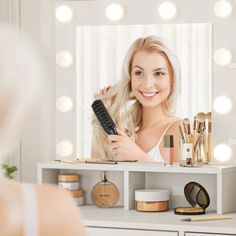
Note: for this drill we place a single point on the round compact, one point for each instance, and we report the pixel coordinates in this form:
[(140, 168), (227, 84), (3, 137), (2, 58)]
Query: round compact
[(198, 198), (152, 200)]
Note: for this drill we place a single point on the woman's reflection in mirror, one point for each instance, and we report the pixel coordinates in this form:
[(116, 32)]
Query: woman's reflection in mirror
[(142, 105)]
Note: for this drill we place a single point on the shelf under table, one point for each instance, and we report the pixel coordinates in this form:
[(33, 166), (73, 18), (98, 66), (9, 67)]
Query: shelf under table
[(218, 180)]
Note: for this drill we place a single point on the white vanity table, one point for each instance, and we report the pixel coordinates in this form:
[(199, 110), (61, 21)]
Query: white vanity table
[(117, 221), (219, 181)]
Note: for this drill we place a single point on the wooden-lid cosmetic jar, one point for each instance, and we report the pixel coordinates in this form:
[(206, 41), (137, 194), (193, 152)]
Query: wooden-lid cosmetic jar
[(71, 182), (68, 178), (152, 200)]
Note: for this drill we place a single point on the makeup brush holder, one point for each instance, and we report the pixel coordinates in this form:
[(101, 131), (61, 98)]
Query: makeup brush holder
[(196, 141), (186, 154), (199, 154)]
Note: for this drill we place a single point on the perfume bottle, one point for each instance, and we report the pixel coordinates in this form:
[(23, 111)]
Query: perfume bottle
[(186, 158), (105, 194)]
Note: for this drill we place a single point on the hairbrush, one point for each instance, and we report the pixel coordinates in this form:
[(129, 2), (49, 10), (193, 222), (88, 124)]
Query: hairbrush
[(104, 117)]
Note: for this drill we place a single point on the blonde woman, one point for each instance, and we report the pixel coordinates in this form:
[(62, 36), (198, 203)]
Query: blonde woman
[(27, 209), (142, 105)]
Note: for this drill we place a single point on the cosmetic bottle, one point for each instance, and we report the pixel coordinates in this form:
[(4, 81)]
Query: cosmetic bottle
[(169, 149), (186, 157), (105, 194)]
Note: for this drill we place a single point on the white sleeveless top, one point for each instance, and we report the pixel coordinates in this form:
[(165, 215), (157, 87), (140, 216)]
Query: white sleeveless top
[(155, 153), (29, 210)]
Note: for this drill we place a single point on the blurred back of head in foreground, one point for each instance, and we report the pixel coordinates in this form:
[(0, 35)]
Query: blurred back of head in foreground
[(20, 81)]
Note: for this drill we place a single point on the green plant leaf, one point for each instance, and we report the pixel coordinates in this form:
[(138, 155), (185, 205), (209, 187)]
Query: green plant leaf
[(9, 170)]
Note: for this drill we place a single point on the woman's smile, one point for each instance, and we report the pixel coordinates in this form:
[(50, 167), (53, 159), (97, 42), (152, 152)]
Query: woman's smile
[(149, 95)]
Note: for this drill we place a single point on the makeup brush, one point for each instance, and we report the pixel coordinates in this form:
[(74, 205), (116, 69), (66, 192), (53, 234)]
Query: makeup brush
[(197, 150), (181, 134), (187, 129), (193, 137), (198, 140), (197, 137), (217, 217), (200, 117), (205, 141), (194, 129), (209, 138)]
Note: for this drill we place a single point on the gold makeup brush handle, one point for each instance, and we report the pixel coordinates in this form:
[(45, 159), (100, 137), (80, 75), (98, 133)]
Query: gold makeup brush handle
[(209, 155), (196, 147), (205, 145)]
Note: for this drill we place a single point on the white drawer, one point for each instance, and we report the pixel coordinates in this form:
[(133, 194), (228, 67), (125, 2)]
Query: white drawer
[(202, 234), (126, 232)]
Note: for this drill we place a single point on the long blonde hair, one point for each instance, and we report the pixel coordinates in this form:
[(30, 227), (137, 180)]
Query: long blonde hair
[(125, 110)]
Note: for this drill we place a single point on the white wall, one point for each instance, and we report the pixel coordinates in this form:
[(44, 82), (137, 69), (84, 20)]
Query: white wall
[(36, 17), (145, 12)]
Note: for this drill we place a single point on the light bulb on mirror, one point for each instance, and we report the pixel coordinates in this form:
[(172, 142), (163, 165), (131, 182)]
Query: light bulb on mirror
[(222, 56), (64, 13), (222, 8), (64, 149), (222, 104), (222, 152), (64, 104), (167, 10), (64, 59), (114, 12)]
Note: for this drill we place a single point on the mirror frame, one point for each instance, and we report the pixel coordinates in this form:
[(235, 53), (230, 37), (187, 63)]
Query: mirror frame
[(93, 13)]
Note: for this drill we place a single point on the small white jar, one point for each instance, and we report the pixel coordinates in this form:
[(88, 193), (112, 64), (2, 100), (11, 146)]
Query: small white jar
[(152, 200)]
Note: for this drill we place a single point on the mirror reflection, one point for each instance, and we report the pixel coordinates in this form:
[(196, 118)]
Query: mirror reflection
[(133, 79)]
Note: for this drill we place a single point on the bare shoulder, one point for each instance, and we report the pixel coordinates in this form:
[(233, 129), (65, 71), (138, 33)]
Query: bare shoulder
[(52, 190), (10, 205), (174, 125), (58, 213), (55, 197)]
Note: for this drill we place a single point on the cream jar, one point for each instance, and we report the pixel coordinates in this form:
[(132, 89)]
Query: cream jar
[(152, 200), (71, 182), (68, 178), (78, 196), (69, 185)]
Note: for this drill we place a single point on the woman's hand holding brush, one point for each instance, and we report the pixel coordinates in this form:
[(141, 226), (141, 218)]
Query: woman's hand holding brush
[(124, 148)]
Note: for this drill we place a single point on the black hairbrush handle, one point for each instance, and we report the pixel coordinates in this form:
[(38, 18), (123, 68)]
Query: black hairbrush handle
[(104, 117)]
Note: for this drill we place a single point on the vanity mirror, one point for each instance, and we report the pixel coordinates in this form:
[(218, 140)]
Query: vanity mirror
[(100, 51), (90, 49)]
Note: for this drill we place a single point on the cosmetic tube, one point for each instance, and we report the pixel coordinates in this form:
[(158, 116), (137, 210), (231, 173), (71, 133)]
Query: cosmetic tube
[(169, 149)]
